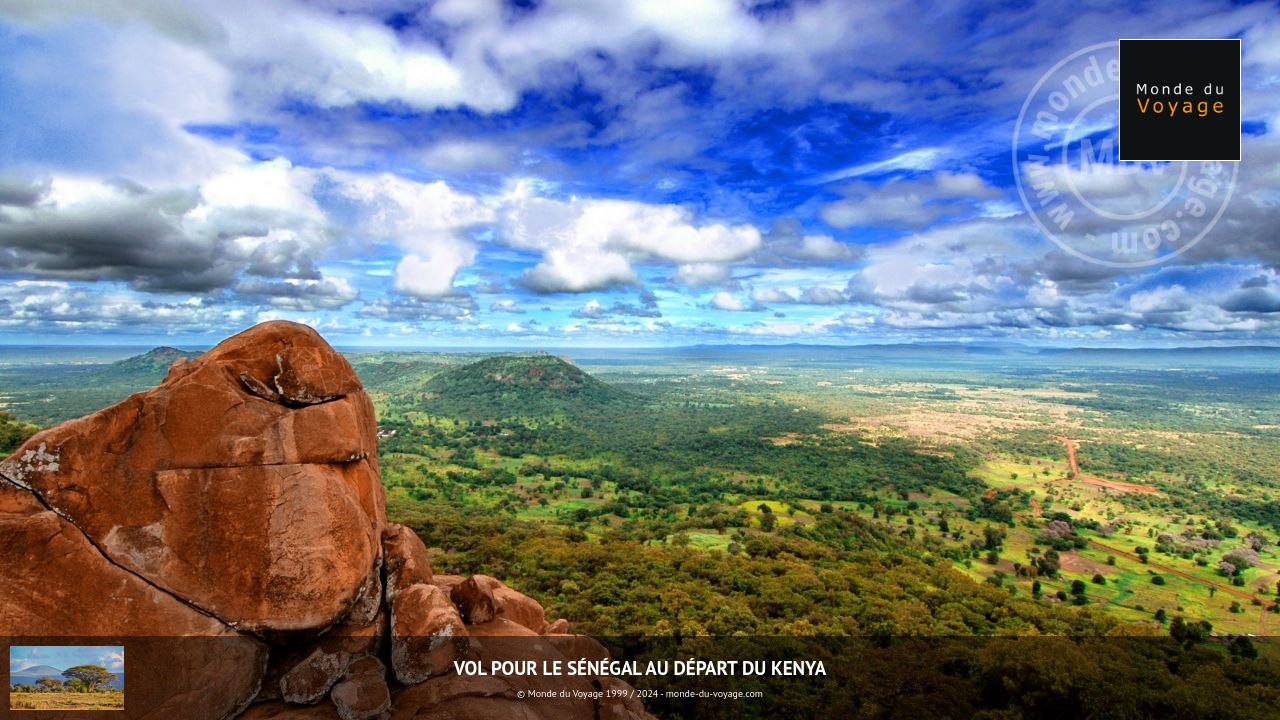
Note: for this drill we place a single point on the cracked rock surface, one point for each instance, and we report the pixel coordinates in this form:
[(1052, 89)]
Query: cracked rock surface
[(229, 528)]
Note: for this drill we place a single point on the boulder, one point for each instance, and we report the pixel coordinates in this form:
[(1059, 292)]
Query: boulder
[(407, 560), (427, 633), (447, 582), (245, 484), (54, 584), (363, 692), (309, 679), (481, 598)]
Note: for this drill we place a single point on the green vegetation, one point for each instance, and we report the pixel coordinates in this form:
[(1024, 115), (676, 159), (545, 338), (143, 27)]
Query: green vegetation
[(837, 492), (13, 432), (518, 386)]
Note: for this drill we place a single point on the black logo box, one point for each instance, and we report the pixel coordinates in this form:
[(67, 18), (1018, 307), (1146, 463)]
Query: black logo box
[(1180, 64)]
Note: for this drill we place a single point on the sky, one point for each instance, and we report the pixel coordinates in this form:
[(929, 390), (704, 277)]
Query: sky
[(62, 657), (590, 173)]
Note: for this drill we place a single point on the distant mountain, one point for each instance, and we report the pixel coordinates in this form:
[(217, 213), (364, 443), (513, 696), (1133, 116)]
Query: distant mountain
[(156, 358), (512, 385), (33, 673), (143, 370)]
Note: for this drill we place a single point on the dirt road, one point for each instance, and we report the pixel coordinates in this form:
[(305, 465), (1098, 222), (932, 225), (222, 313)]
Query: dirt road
[(1097, 481)]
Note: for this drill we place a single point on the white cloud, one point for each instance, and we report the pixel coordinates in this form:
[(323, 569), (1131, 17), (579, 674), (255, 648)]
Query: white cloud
[(589, 244), (42, 306), (431, 275), (505, 305), (112, 661), (564, 270), (918, 159), (696, 275), (771, 296), (427, 219), (727, 301)]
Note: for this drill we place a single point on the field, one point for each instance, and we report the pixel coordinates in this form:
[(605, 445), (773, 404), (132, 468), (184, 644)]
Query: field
[(111, 700)]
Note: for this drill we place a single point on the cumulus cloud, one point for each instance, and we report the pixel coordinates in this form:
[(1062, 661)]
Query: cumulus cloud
[(430, 220), (812, 295), (54, 306), (697, 275), (253, 218), (589, 244), (113, 661), (787, 245), (724, 300)]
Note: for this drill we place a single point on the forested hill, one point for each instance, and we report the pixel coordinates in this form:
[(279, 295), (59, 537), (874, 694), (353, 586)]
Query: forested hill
[(520, 385), (143, 370)]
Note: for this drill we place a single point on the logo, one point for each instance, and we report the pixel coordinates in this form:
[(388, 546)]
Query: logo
[(1180, 100), (1082, 196)]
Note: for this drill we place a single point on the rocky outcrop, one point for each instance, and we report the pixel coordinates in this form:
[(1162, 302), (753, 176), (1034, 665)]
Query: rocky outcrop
[(263, 509), (228, 526)]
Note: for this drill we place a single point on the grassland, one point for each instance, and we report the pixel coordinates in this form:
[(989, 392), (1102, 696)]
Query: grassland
[(109, 700)]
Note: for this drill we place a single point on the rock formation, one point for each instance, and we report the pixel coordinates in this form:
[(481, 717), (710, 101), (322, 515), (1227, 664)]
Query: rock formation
[(228, 527)]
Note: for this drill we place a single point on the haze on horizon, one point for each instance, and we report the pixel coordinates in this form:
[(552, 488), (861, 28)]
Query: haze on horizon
[(586, 174)]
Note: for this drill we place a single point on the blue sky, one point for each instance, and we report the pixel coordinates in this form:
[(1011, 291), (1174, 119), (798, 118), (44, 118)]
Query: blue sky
[(592, 173), (65, 656)]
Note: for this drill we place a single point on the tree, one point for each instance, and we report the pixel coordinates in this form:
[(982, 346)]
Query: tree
[(91, 675), (50, 684)]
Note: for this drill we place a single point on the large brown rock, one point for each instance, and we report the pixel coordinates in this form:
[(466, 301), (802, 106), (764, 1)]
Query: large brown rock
[(54, 584), (427, 633), (245, 484), (309, 679), (481, 598), (407, 560), (363, 692)]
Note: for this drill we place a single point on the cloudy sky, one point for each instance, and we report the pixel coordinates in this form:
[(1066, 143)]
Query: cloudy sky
[(589, 172), (65, 656)]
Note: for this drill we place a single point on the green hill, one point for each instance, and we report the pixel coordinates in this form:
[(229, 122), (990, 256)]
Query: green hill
[(519, 385), (145, 370)]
